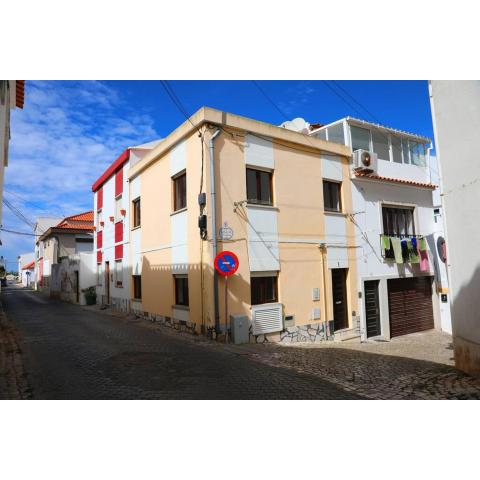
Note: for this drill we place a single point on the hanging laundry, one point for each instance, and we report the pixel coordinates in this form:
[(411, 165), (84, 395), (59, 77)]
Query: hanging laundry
[(403, 244), (412, 251), (385, 243), (424, 264), (422, 244), (397, 249), (414, 243)]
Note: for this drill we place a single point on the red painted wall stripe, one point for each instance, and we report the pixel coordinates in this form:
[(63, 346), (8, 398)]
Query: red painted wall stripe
[(119, 182), (99, 257), (124, 156), (99, 239), (118, 252), (119, 232), (100, 199)]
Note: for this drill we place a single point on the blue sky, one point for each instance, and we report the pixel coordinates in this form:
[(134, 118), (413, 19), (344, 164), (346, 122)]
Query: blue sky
[(69, 131)]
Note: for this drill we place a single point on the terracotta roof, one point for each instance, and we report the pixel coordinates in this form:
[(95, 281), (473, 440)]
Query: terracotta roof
[(81, 221), (400, 181), (124, 156), (29, 266), (20, 93)]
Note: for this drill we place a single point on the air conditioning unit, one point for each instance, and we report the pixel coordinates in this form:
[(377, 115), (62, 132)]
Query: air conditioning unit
[(365, 161)]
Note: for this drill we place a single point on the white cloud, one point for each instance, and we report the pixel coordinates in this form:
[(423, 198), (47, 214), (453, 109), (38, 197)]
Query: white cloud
[(62, 141)]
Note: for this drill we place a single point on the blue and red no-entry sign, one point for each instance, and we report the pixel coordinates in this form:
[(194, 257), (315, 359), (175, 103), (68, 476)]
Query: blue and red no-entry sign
[(226, 263)]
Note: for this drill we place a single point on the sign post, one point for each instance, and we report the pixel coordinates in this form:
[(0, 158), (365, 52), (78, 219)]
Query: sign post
[(226, 264)]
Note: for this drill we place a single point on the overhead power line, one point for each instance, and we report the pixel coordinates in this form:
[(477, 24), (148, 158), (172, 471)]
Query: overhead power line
[(277, 108)]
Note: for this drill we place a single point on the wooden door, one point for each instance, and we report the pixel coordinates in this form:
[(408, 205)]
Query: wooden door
[(372, 308), (339, 291)]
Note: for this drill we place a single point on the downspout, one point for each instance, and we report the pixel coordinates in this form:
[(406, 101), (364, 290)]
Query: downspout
[(214, 228)]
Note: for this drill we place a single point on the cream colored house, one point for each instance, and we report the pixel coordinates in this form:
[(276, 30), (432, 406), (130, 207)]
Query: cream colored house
[(277, 198)]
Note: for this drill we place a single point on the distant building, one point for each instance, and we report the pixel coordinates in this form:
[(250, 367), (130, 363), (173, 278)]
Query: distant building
[(456, 119), (65, 256), (26, 263)]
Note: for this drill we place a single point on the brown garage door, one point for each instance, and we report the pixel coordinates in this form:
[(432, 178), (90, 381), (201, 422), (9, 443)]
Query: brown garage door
[(410, 305)]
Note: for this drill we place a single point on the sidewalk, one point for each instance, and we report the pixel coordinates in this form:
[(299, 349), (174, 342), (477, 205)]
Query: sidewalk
[(13, 384)]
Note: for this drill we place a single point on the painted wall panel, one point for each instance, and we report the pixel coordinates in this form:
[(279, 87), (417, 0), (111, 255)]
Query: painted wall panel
[(336, 238), (332, 167), (263, 239), (259, 152), (179, 228), (178, 158)]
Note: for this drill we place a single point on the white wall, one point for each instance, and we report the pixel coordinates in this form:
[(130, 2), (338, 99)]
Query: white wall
[(456, 116)]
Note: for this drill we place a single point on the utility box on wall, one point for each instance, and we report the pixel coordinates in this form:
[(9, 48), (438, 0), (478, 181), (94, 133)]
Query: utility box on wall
[(240, 329)]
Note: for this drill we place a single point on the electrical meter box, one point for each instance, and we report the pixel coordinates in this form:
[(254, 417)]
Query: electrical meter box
[(240, 329)]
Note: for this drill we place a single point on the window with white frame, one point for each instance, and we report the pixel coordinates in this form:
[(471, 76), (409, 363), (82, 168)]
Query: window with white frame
[(335, 134), (360, 138), (118, 273), (396, 143), (381, 144), (405, 150)]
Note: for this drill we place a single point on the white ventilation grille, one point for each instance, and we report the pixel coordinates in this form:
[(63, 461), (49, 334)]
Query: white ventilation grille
[(315, 294), (267, 318)]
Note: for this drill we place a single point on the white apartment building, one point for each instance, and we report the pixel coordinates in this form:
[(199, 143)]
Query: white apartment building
[(402, 290), (112, 209)]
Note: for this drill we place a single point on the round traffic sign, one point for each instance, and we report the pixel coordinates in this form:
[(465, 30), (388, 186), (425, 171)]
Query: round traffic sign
[(226, 263)]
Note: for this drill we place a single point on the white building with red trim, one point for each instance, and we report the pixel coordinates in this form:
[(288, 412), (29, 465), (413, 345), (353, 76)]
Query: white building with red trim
[(112, 205)]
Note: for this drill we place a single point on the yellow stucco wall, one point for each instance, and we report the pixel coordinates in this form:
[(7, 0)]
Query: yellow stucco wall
[(298, 195)]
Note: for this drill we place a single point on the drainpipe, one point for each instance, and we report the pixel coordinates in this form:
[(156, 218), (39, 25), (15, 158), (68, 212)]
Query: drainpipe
[(214, 228)]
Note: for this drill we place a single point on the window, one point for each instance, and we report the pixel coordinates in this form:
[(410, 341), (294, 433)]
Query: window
[(335, 134), (264, 289), (406, 152), (398, 221), (180, 192), (181, 290), (322, 134), (381, 144), (360, 138), (331, 196), (396, 148), (118, 207), (99, 274), (417, 153), (259, 187), (136, 212), (118, 273), (137, 287)]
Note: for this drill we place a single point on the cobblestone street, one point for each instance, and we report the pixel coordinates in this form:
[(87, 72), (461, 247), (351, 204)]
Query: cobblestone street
[(74, 353), (71, 352)]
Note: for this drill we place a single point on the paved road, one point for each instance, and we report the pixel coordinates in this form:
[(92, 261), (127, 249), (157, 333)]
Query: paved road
[(72, 353)]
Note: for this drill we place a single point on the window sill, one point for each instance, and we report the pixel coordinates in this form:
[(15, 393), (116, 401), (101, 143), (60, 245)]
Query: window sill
[(181, 307), (136, 300), (136, 228), (262, 207), (178, 211), (334, 212)]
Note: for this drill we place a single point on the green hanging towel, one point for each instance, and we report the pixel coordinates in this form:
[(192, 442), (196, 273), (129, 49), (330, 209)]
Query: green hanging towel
[(397, 249), (385, 243), (422, 244), (412, 253)]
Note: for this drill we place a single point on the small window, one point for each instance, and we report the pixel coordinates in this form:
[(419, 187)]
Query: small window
[(118, 273), (136, 212), (360, 138), (99, 274), (181, 290), (259, 187), (331, 196), (381, 144), (137, 287), (118, 208), (180, 192), (264, 290), (406, 151)]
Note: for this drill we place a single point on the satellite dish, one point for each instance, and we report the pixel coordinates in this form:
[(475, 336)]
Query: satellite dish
[(297, 125)]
